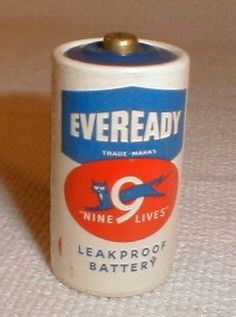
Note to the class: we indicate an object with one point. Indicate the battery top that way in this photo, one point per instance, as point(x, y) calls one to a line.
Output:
point(120, 49)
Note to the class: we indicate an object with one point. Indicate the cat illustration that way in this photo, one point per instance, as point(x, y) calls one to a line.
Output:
point(140, 190)
point(103, 195)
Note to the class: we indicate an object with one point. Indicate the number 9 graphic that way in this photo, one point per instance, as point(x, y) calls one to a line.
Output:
point(130, 209)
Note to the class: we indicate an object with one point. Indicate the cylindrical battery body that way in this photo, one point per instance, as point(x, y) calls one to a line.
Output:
point(117, 148)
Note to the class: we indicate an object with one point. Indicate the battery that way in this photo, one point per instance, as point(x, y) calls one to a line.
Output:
point(117, 147)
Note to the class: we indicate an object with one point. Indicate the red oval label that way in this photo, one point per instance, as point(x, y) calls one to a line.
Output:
point(122, 200)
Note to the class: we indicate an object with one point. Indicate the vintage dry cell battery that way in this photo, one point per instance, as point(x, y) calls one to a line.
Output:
point(117, 147)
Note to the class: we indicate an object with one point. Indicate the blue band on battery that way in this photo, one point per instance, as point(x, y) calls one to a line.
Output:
point(164, 105)
point(145, 55)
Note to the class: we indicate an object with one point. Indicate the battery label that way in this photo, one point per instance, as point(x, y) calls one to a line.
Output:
point(129, 120)
point(125, 185)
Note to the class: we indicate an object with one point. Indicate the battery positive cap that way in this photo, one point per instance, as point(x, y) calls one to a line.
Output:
point(120, 43)
point(120, 49)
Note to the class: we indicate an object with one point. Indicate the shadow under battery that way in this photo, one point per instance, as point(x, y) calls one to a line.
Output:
point(25, 160)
